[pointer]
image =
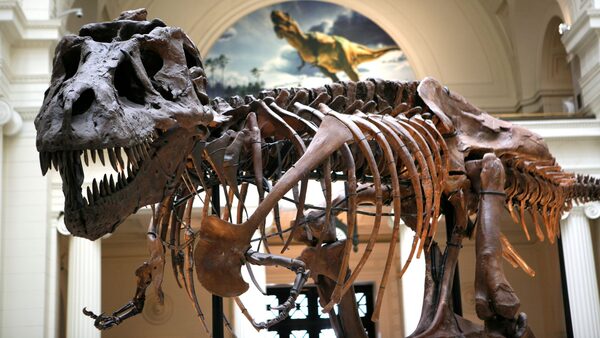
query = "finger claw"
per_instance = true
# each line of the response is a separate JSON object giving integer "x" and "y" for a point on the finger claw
{"x": 89, "y": 313}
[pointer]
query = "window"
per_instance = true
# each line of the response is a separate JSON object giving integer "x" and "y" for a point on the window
{"x": 307, "y": 321}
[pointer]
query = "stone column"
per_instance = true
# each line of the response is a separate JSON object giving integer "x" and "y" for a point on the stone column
{"x": 412, "y": 283}
{"x": 84, "y": 286}
{"x": 580, "y": 270}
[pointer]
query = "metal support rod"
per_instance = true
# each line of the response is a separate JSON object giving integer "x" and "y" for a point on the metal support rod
{"x": 217, "y": 301}
{"x": 456, "y": 296}
{"x": 565, "y": 291}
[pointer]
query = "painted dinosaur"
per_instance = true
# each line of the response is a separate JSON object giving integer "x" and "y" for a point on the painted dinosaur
{"x": 329, "y": 53}
{"x": 131, "y": 94}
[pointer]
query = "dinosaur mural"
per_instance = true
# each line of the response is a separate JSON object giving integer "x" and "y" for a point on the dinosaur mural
{"x": 131, "y": 95}
{"x": 330, "y": 53}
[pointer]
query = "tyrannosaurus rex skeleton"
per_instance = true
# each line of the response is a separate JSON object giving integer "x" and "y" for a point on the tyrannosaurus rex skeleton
{"x": 131, "y": 93}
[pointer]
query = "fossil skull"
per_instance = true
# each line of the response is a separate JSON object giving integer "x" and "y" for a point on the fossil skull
{"x": 129, "y": 88}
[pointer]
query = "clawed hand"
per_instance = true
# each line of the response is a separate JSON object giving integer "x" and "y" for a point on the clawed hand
{"x": 104, "y": 322}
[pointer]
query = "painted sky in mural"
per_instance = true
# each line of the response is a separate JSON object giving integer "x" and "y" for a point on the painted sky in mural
{"x": 249, "y": 52}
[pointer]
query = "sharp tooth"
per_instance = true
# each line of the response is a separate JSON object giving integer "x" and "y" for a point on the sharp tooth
{"x": 129, "y": 173}
{"x": 123, "y": 179}
{"x": 55, "y": 160}
{"x": 85, "y": 158}
{"x": 104, "y": 185}
{"x": 136, "y": 154}
{"x": 131, "y": 156}
{"x": 120, "y": 158}
{"x": 48, "y": 159}
{"x": 51, "y": 159}
{"x": 90, "y": 196}
{"x": 95, "y": 189}
{"x": 93, "y": 153}
{"x": 144, "y": 150}
{"x": 112, "y": 184}
{"x": 85, "y": 202}
{"x": 44, "y": 163}
{"x": 112, "y": 158}
{"x": 101, "y": 156}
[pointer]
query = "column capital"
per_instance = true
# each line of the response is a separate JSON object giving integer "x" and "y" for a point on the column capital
{"x": 592, "y": 210}
{"x": 10, "y": 120}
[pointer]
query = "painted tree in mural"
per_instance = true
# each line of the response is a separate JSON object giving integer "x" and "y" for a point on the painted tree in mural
{"x": 131, "y": 93}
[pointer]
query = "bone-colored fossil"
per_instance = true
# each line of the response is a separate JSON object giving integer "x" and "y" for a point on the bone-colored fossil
{"x": 134, "y": 91}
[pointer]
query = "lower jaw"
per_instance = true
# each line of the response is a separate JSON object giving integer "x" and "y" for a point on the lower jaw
{"x": 82, "y": 221}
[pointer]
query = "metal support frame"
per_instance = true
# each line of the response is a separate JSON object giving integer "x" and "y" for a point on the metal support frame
{"x": 217, "y": 301}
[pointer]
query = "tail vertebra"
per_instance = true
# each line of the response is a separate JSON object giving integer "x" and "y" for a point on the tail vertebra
{"x": 585, "y": 189}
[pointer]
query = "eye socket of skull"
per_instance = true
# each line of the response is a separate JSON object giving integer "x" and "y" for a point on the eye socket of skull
{"x": 70, "y": 61}
{"x": 67, "y": 58}
{"x": 128, "y": 85}
{"x": 192, "y": 56}
{"x": 152, "y": 61}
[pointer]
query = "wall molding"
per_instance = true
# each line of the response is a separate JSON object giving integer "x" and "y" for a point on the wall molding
{"x": 564, "y": 128}
{"x": 19, "y": 30}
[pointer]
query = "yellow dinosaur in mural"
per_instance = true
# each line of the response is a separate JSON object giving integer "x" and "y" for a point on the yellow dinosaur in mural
{"x": 330, "y": 53}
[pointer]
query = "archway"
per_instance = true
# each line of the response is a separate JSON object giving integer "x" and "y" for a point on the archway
{"x": 555, "y": 80}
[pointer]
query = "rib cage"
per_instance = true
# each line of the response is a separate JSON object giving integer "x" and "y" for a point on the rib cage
{"x": 530, "y": 183}
{"x": 423, "y": 151}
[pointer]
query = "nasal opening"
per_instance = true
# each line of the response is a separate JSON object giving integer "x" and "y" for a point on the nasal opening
{"x": 84, "y": 102}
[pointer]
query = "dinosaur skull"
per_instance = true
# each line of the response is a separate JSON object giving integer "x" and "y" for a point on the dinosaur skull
{"x": 131, "y": 89}
{"x": 283, "y": 24}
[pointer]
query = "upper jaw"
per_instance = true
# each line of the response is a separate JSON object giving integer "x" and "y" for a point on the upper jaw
{"x": 152, "y": 171}
{"x": 120, "y": 155}
{"x": 108, "y": 199}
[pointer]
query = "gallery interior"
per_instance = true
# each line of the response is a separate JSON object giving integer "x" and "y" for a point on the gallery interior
{"x": 535, "y": 63}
